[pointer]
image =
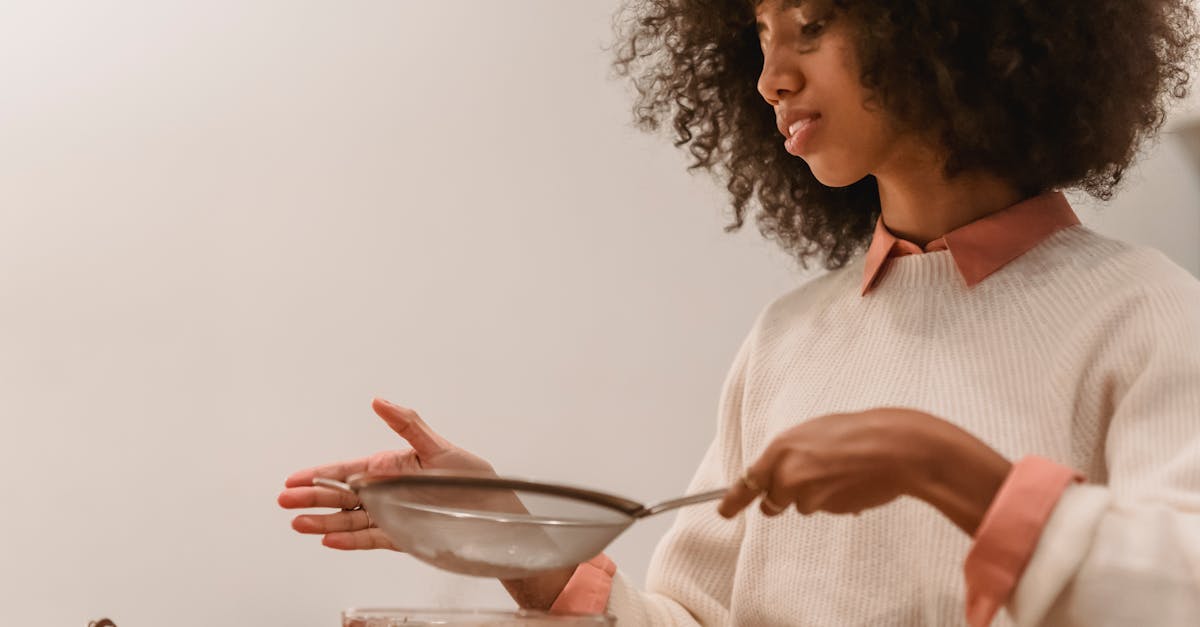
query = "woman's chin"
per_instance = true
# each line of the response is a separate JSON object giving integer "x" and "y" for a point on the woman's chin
{"x": 835, "y": 178}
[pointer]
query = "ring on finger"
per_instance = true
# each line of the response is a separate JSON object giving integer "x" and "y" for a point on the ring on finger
{"x": 772, "y": 506}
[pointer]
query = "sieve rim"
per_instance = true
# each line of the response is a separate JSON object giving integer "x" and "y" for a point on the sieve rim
{"x": 370, "y": 481}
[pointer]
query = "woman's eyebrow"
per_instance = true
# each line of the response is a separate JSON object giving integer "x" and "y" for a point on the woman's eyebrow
{"x": 785, "y": 4}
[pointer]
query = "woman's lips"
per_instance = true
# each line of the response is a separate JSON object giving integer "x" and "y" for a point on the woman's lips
{"x": 799, "y": 133}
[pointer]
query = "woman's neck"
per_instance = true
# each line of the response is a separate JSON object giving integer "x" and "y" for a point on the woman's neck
{"x": 920, "y": 205}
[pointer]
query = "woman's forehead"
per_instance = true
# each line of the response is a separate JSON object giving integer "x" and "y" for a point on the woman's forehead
{"x": 762, "y": 6}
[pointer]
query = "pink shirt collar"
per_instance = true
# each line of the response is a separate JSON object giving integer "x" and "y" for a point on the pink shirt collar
{"x": 980, "y": 247}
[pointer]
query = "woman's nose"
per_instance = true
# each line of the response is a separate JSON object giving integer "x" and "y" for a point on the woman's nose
{"x": 778, "y": 78}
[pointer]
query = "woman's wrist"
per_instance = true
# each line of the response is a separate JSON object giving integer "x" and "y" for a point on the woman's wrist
{"x": 959, "y": 476}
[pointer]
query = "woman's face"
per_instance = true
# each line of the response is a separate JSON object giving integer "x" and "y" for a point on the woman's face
{"x": 810, "y": 75}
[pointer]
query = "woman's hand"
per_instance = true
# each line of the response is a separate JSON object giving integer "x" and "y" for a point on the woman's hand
{"x": 847, "y": 463}
{"x": 354, "y": 529}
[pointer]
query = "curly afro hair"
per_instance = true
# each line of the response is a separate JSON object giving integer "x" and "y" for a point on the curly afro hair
{"x": 1046, "y": 95}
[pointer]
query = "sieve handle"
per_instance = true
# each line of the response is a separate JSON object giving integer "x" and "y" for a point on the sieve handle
{"x": 334, "y": 484}
{"x": 691, "y": 499}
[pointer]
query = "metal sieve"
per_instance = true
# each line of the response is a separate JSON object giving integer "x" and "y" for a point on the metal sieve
{"x": 490, "y": 526}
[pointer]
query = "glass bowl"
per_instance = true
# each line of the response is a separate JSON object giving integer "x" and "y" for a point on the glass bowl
{"x": 393, "y": 617}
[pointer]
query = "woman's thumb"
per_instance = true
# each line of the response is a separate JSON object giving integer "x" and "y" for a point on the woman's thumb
{"x": 410, "y": 426}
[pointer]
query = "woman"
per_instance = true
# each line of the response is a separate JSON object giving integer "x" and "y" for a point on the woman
{"x": 1031, "y": 387}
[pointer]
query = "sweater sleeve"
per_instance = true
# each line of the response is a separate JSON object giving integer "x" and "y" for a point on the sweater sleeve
{"x": 690, "y": 580}
{"x": 1009, "y": 532}
{"x": 1128, "y": 553}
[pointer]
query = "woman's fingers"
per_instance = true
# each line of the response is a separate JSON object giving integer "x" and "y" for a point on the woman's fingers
{"x": 302, "y": 497}
{"x": 329, "y": 523}
{"x": 770, "y": 506}
{"x": 781, "y": 479}
{"x": 757, "y": 479}
{"x": 742, "y": 492}
{"x": 837, "y": 494}
{"x": 783, "y": 491}
{"x": 404, "y": 421}
{"x": 362, "y": 539}
{"x": 795, "y": 480}
{"x": 345, "y": 530}
{"x": 353, "y": 530}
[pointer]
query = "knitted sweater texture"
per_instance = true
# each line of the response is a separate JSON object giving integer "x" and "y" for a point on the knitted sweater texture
{"x": 1084, "y": 350}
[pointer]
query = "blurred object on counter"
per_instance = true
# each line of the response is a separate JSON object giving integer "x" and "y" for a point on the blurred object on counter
{"x": 103, "y": 622}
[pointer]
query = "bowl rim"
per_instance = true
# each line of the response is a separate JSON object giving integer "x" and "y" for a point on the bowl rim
{"x": 458, "y": 612}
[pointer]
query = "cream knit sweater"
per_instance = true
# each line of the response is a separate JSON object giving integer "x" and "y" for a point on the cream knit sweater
{"x": 1084, "y": 350}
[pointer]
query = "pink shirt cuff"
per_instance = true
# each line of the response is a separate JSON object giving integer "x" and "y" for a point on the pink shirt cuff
{"x": 1009, "y": 533}
{"x": 588, "y": 589}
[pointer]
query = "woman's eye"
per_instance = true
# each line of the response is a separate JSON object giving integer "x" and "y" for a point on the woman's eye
{"x": 812, "y": 29}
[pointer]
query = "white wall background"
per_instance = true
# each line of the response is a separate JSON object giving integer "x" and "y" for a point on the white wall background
{"x": 226, "y": 225}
